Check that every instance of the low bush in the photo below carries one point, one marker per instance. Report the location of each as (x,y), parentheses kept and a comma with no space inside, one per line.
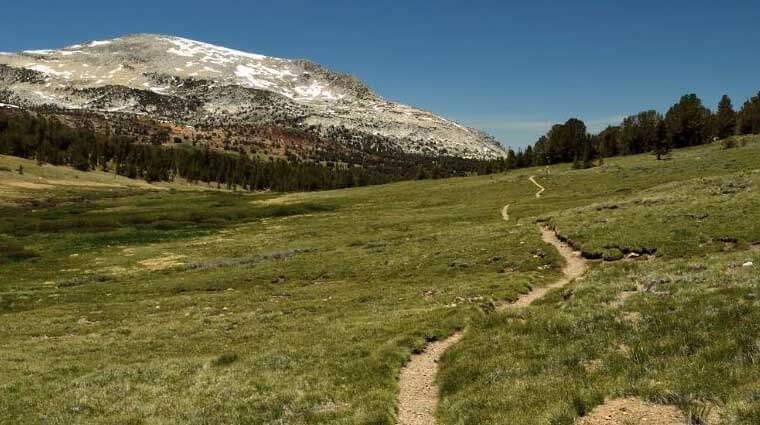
(225,360)
(12,252)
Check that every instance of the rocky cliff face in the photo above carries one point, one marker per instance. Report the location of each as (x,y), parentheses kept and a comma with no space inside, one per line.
(201,84)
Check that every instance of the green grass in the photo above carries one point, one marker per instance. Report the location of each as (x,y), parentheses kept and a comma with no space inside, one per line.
(691,340)
(185,305)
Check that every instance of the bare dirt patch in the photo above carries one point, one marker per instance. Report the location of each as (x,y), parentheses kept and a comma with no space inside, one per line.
(632,316)
(280,200)
(162,263)
(121,208)
(77,183)
(627,411)
(27,185)
(505,213)
(622,298)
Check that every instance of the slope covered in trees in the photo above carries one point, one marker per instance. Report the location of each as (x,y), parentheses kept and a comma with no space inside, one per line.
(48,140)
(687,123)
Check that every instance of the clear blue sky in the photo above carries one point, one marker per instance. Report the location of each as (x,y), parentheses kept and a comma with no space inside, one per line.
(510,67)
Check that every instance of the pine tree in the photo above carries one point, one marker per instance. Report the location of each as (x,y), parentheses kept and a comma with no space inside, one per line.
(638,133)
(662,142)
(749,116)
(724,120)
(528,157)
(687,122)
(511,159)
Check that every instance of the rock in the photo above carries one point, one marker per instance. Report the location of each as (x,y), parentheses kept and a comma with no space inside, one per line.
(458,264)
(728,239)
(651,282)
(591,255)
(567,294)
(748,264)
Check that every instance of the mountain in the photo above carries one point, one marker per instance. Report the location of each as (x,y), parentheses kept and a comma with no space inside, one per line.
(209,87)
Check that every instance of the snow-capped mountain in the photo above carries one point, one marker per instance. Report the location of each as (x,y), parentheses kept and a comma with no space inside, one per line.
(201,84)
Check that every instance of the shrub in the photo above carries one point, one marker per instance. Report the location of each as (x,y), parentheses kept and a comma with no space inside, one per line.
(225,360)
(733,142)
(13,252)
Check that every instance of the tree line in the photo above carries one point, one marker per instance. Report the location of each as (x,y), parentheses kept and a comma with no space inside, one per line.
(48,140)
(687,123)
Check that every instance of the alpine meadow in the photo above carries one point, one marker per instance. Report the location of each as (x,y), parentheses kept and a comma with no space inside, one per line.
(196,234)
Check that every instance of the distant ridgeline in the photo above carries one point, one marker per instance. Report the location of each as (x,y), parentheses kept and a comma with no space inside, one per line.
(687,123)
(53,140)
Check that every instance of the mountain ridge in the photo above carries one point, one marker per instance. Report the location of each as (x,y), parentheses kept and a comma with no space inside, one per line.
(198,83)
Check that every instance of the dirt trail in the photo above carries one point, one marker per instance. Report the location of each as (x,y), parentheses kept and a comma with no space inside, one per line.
(505,212)
(575,267)
(541,189)
(418,395)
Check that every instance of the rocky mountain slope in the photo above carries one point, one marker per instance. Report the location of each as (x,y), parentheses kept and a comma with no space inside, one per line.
(199,84)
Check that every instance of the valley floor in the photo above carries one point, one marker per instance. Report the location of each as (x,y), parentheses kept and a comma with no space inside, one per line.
(122,302)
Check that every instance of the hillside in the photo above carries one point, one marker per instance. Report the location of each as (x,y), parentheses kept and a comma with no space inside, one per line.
(135,303)
(210,88)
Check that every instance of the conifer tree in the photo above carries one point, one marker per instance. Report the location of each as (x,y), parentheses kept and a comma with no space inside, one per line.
(749,116)
(511,159)
(662,142)
(724,120)
(687,122)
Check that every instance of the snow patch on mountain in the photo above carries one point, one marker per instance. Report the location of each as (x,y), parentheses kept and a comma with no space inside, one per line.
(39,52)
(251,78)
(97,43)
(207,52)
(47,70)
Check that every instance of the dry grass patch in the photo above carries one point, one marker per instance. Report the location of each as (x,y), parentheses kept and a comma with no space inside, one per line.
(26,185)
(163,263)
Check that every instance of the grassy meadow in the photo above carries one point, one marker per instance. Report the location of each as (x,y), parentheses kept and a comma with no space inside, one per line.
(128,303)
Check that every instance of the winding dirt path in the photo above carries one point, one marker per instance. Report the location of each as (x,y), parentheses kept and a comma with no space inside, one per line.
(574,268)
(418,395)
(541,189)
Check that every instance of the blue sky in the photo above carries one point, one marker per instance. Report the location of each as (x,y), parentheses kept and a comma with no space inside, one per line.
(510,67)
